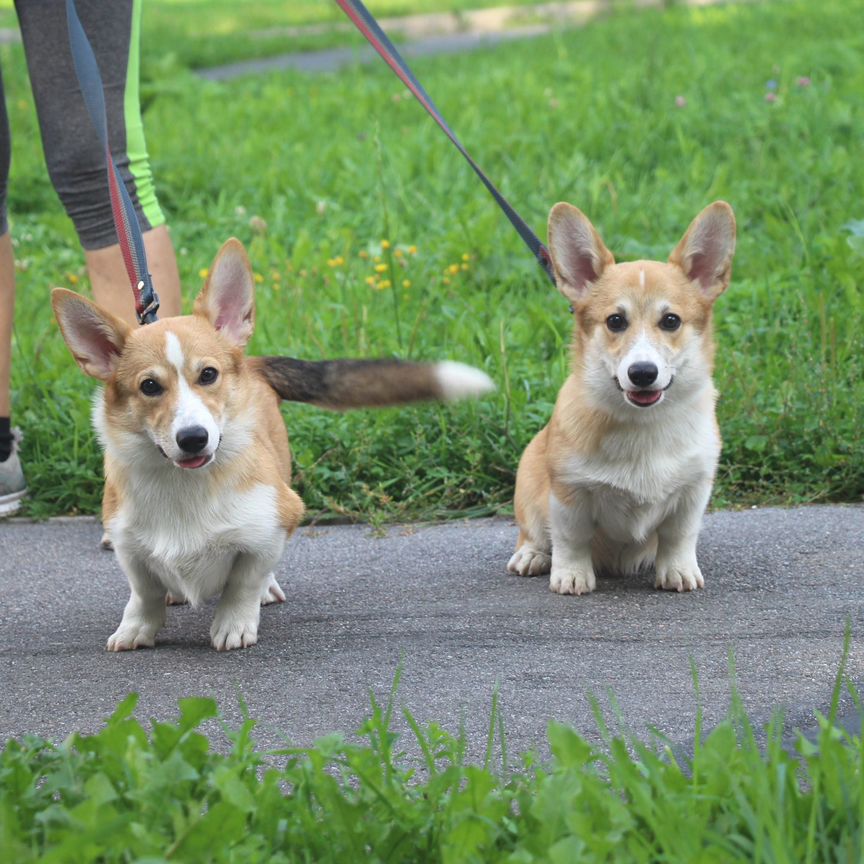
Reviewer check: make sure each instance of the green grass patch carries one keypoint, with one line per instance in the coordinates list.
(336, 164)
(165, 793)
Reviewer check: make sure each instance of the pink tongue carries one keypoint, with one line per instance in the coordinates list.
(645, 397)
(194, 462)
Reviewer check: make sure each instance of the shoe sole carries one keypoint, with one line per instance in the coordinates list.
(10, 503)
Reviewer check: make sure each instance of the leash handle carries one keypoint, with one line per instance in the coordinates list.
(365, 22)
(125, 219)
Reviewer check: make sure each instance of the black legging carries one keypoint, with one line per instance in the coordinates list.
(73, 154)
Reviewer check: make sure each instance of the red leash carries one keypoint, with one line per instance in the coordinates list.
(365, 22)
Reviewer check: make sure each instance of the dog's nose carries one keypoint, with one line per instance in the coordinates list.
(192, 439)
(642, 374)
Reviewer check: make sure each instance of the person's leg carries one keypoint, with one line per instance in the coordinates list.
(7, 310)
(7, 288)
(110, 283)
(73, 154)
(12, 484)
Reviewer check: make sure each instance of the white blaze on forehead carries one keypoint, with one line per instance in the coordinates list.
(642, 278)
(174, 351)
(190, 410)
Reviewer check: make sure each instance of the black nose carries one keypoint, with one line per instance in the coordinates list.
(642, 374)
(192, 439)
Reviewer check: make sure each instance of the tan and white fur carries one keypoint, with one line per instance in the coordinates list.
(197, 498)
(619, 479)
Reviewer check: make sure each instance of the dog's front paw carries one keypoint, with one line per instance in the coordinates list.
(230, 631)
(271, 592)
(572, 580)
(527, 560)
(131, 635)
(671, 577)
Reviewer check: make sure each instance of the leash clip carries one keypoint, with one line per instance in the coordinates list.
(150, 310)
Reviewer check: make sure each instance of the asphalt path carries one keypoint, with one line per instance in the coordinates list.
(780, 587)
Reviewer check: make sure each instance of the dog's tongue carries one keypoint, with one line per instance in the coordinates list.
(644, 397)
(194, 462)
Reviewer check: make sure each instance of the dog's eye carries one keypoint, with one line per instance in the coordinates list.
(208, 375)
(150, 387)
(616, 323)
(670, 321)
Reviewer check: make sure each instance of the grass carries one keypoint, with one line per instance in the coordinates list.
(334, 165)
(171, 793)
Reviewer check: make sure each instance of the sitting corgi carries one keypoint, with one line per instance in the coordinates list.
(197, 464)
(619, 479)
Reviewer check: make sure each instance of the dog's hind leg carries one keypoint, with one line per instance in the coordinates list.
(638, 557)
(110, 503)
(533, 555)
(530, 559)
(271, 592)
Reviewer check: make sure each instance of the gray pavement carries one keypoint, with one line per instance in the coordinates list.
(435, 34)
(780, 585)
(334, 59)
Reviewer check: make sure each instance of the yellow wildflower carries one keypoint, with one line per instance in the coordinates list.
(385, 244)
(258, 278)
(384, 283)
(406, 283)
(203, 272)
(380, 268)
(412, 250)
(453, 269)
(466, 256)
(73, 279)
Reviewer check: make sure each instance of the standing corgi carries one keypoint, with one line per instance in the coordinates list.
(621, 476)
(197, 464)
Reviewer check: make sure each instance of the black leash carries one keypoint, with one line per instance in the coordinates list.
(365, 22)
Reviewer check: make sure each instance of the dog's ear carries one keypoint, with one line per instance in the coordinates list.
(95, 337)
(227, 300)
(706, 249)
(578, 254)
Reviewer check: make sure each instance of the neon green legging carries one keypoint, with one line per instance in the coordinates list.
(73, 154)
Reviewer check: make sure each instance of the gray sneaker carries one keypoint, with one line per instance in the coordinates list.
(12, 484)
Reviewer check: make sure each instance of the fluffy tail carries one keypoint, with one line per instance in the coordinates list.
(343, 384)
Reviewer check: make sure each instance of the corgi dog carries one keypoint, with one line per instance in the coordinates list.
(620, 477)
(197, 500)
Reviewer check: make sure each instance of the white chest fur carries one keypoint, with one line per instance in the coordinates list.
(188, 535)
(640, 474)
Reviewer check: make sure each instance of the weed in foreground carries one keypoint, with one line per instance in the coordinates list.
(129, 794)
